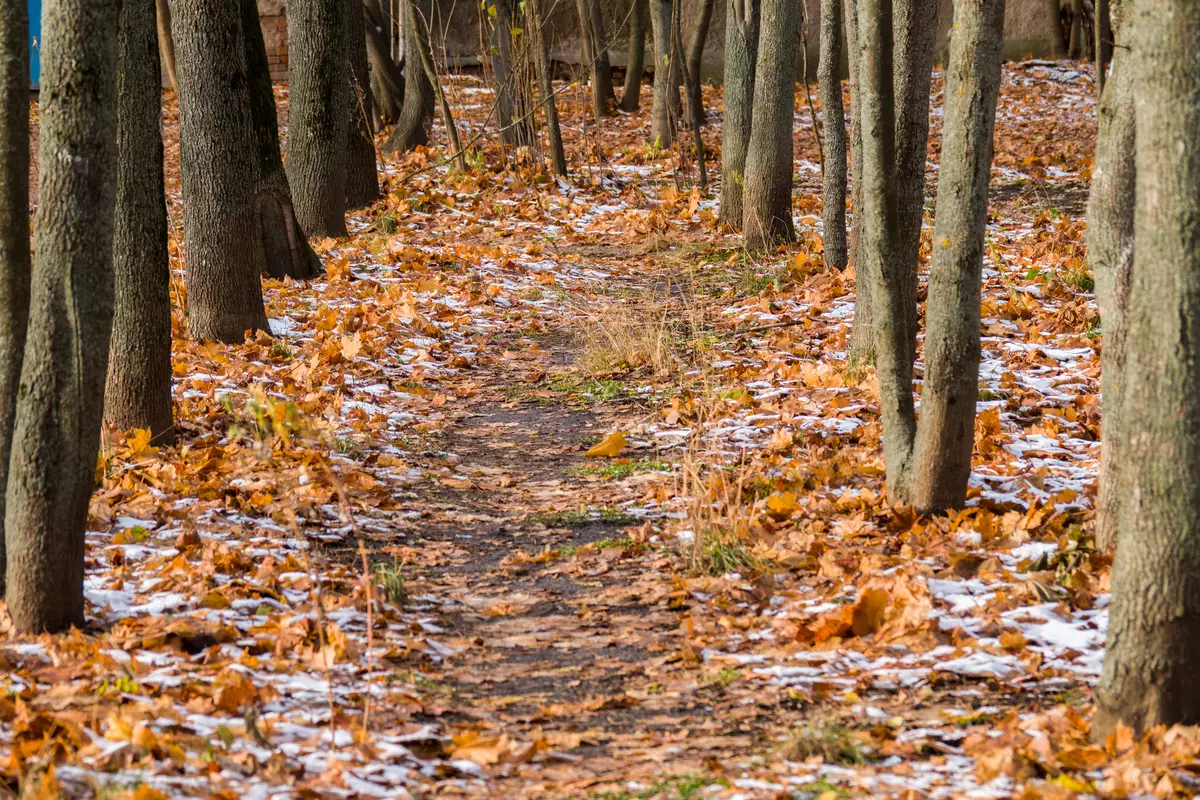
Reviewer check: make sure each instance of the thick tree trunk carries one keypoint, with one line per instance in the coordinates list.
(631, 96)
(558, 158)
(1149, 675)
(1110, 253)
(387, 79)
(767, 212)
(416, 113)
(1102, 26)
(666, 83)
(14, 222)
(319, 114)
(695, 56)
(166, 44)
(285, 247)
(218, 165)
(741, 49)
(138, 392)
(946, 431)
(61, 402)
(512, 106)
(833, 177)
(362, 177)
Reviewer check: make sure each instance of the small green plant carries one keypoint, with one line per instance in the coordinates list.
(386, 223)
(617, 470)
(580, 518)
(1093, 331)
(390, 578)
(978, 718)
(833, 743)
(719, 555)
(724, 678)
(682, 787)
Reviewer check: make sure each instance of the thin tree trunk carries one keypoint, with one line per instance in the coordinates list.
(558, 158)
(695, 56)
(285, 248)
(741, 48)
(166, 44)
(602, 70)
(833, 179)
(636, 63)
(138, 391)
(695, 112)
(447, 116)
(1110, 253)
(57, 433)
(1149, 675)
(362, 177)
(387, 79)
(862, 335)
(319, 114)
(14, 222)
(767, 215)
(1058, 48)
(219, 164)
(516, 129)
(416, 114)
(1075, 46)
(662, 117)
(945, 434)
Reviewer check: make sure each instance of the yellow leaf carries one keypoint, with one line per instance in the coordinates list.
(868, 611)
(144, 792)
(611, 447)
(139, 443)
(351, 346)
(782, 504)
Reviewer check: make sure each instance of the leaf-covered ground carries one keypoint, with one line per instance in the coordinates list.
(378, 562)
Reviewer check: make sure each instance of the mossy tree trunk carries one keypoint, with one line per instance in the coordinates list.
(14, 222)
(218, 165)
(1110, 254)
(319, 114)
(741, 49)
(928, 465)
(60, 404)
(767, 211)
(1149, 674)
(362, 176)
(833, 176)
(138, 390)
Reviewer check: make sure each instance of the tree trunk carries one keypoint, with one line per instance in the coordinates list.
(695, 56)
(447, 116)
(631, 96)
(558, 158)
(218, 165)
(362, 178)
(1110, 253)
(14, 222)
(1075, 45)
(57, 432)
(285, 247)
(1149, 675)
(741, 49)
(1102, 26)
(1058, 48)
(662, 118)
(602, 70)
(862, 334)
(694, 111)
(319, 114)
(833, 178)
(138, 392)
(166, 44)
(946, 431)
(387, 79)
(516, 129)
(416, 114)
(767, 215)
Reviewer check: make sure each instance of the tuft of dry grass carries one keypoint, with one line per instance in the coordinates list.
(834, 744)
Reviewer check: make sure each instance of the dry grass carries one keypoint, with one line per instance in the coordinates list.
(834, 744)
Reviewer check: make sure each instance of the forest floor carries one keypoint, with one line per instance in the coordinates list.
(380, 560)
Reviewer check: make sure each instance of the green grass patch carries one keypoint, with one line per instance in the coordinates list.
(582, 517)
(682, 787)
(615, 470)
(390, 578)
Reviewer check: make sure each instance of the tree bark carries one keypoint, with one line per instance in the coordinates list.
(285, 247)
(767, 215)
(138, 391)
(1104, 42)
(362, 177)
(416, 113)
(666, 82)
(447, 116)
(695, 112)
(319, 114)
(945, 434)
(603, 66)
(387, 79)
(57, 433)
(635, 66)
(166, 44)
(862, 335)
(558, 158)
(218, 163)
(14, 223)
(1058, 48)
(833, 178)
(741, 49)
(1154, 623)
(695, 57)
(1110, 253)
(516, 129)
(1075, 45)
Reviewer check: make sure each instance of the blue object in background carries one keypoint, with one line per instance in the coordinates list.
(35, 41)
